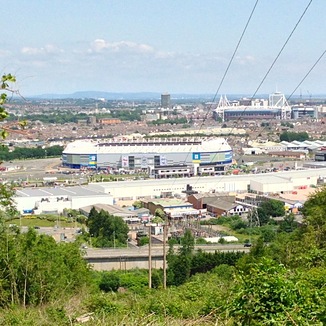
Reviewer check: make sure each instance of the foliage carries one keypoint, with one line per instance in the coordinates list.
(291, 136)
(20, 153)
(269, 294)
(202, 262)
(288, 224)
(270, 208)
(7, 202)
(314, 212)
(159, 212)
(180, 264)
(58, 117)
(137, 204)
(169, 121)
(235, 222)
(109, 282)
(142, 241)
(187, 243)
(34, 269)
(108, 230)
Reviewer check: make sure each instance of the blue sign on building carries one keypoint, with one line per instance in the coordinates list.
(92, 159)
(196, 157)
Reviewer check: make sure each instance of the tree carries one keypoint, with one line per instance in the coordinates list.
(159, 212)
(288, 224)
(180, 264)
(314, 212)
(187, 243)
(270, 208)
(291, 136)
(108, 230)
(6, 81)
(137, 204)
(34, 268)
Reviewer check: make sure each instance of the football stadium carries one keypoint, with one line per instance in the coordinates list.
(160, 158)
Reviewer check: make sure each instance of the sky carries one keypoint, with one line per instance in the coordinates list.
(175, 46)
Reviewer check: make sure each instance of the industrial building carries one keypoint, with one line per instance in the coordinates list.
(160, 158)
(56, 199)
(278, 181)
(53, 200)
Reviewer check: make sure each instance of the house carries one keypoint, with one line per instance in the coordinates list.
(225, 206)
(127, 215)
(173, 208)
(199, 201)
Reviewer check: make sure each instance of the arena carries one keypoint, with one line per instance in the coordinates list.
(160, 158)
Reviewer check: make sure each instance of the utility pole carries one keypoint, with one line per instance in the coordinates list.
(164, 253)
(150, 258)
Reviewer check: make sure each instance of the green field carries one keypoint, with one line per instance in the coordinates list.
(42, 222)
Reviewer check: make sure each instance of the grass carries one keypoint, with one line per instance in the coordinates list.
(35, 221)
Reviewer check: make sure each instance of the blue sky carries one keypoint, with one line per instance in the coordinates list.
(176, 46)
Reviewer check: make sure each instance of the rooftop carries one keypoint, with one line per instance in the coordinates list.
(76, 191)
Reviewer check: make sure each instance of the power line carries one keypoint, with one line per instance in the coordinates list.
(307, 74)
(225, 73)
(280, 52)
(271, 66)
(230, 62)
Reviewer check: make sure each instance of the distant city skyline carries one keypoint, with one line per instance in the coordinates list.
(62, 47)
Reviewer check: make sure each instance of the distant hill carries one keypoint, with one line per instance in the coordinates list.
(147, 96)
(155, 96)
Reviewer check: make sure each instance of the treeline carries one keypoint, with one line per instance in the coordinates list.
(291, 136)
(169, 121)
(184, 263)
(126, 115)
(69, 117)
(21, 153)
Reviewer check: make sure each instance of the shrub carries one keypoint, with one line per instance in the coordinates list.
(109, 282)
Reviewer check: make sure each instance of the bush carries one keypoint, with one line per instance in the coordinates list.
(109, 282)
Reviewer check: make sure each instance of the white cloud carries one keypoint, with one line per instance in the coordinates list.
(47, 49)
(100, 45)
(247, 59)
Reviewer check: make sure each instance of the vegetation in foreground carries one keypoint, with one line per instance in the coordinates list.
(279, 284)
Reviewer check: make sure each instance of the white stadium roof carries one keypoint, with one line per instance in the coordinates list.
(147, 146)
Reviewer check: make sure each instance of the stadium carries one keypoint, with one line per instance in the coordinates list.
(160, 158)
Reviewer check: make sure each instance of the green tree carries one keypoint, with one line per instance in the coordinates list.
(34, 268)
(108, 230)
(180, 264)
(291, 136)
(159, 212)
(137, 204)
(187, 243)
(314, 211)
(270, 208)
(288, 224)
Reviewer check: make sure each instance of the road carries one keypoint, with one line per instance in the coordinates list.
(156, 250)
(125, 259)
